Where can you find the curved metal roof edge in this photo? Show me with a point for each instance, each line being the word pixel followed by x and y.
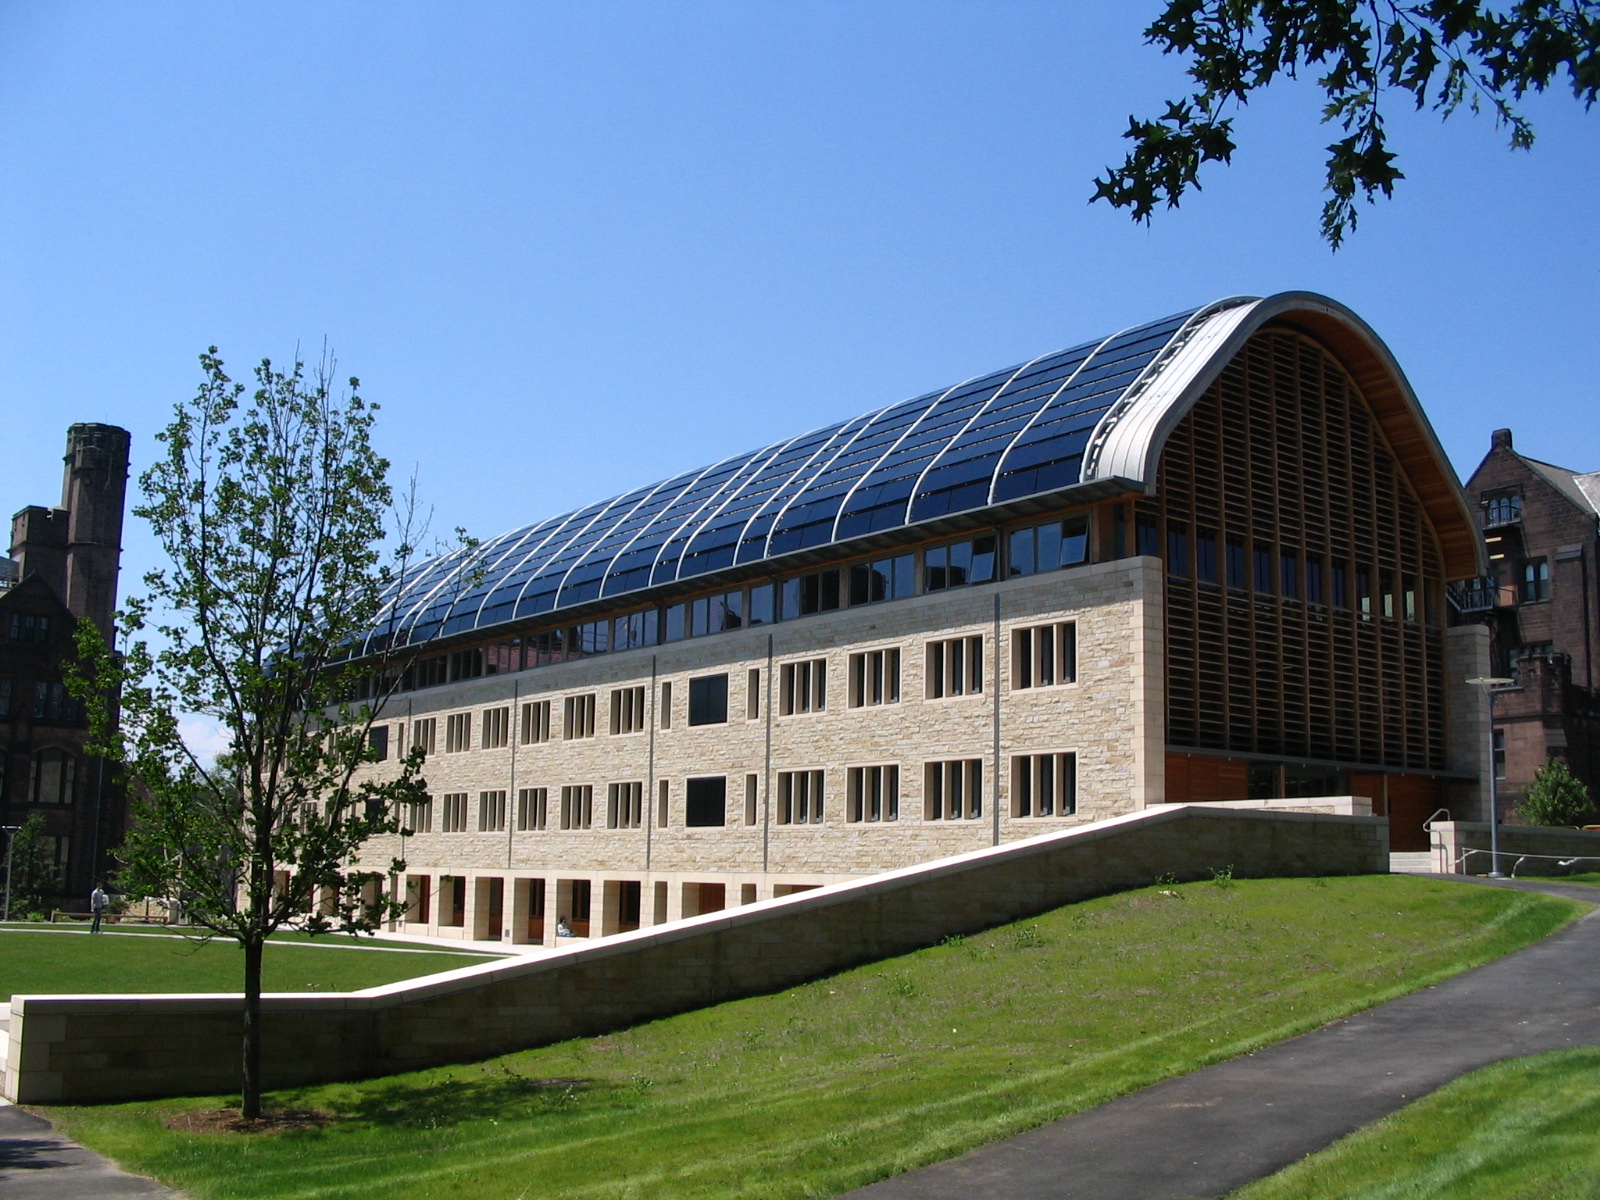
pixel 1128 443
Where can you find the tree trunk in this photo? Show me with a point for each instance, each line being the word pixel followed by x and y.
pixel 250 1100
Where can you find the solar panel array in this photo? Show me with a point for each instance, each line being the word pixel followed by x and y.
pixel 997 437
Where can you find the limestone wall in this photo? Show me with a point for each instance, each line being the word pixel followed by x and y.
pixel 1461 847
pixel 104 1048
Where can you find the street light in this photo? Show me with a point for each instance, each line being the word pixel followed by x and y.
pixel 1490 685
pixel 11 832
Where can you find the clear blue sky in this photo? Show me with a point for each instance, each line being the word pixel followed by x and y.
pixel 574 248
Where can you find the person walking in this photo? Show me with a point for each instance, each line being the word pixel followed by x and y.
pixel 98 903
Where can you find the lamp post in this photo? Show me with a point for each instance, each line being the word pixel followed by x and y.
pixel 1490 685
pixel 11 832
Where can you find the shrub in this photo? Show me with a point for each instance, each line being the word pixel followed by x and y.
pixel 1556 797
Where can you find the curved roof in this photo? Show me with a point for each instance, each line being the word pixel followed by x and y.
pixel 1097 412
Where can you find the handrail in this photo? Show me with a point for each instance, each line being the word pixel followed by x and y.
pixel 1559 859
pixel 1427 826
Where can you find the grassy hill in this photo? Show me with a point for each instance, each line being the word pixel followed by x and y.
pixel 825 1087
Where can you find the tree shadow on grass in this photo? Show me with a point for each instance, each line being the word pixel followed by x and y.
pixel 455 1101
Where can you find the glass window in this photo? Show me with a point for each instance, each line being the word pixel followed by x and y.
pixel 1535 580
pixel 763 604
pixel 674 623
pixel 1263 569
pixel 1177 550
pixel 1236 563
pixel 1205 556
pixel 1288 575
pixel 883 579
pixel 706 801
pixel 1149 534
pixel 959 563
pixel 708 700
pixel 1314 580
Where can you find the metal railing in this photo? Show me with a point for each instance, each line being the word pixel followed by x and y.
pixel 1559 859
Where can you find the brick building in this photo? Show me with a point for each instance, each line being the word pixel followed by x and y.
pixel 1206 558
pixel 1541 527
pixel 63 567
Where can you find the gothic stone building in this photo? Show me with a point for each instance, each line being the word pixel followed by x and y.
pixel 63 568
pixel 1206 558
pixel 1541 527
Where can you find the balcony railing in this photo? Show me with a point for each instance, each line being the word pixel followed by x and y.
pixel 1474 595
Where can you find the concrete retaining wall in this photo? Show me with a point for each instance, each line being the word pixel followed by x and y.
pixel 1544 846
pixel 83 1049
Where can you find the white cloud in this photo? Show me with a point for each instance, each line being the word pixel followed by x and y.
pixel 204 737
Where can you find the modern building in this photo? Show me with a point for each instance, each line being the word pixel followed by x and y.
pixel 62 568
pixel 1541 528
pixel 1207 558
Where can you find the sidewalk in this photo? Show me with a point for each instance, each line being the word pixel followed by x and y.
pixel 1217 1129
pixel 37 1163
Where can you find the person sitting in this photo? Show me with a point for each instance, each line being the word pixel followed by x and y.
pixel 562 929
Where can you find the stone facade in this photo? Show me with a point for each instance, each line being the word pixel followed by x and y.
pixel 1541 524
pixel 1108 718
pixel 63 566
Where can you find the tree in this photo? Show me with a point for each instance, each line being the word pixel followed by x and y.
pixel 272 513
pixel 1556 797
pixel 1438 54
pixel 33 876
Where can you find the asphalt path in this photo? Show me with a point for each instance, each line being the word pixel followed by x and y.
pixel 37 1163
pixel 1204 1134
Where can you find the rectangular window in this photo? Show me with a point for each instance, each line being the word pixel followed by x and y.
pixel 716 614
pixel 763 604
pixel 806 595
pixel 496 728
pixel 666 706
pixel 662 792
pixel 377 741
pixel 958 564
pixel 454 812
pixel 1044 785
pixel 708 700
pixel 535 722
pixel 419 815
pixel 1047 547
pixel 799 797
pixel 953 790
pixel 674 622
pixel 1147 535
pixel 955 667
pixel 1263 568
pixel 706 801
pixel 627 710
pixel 1535 580
pixel 875 678
pixel 752 694
pixel 533 808
pixel 873 793
pixel 1205 555
pixel 1288 575
pixel 751 798
pixel 28 628
pixel 883 579
pixel 466 664
pixel 803 687
pixel 577 717
pixel 1339 584
pixel 491 812
pixel 1234 554
pixel 1314 580
pixel 634 630
pixel 1044 655
pixel 1177 550
pixel 457 733
pixel 577 807
pixel 5 699
pixel 1364 590
pixel 423 734
pixel 624 805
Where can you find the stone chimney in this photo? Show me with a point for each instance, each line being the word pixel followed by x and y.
pixel 93 490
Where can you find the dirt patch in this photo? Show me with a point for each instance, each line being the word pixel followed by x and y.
pixel 228 1120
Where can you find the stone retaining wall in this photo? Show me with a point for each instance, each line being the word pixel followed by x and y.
pixel 1452 840
pixel 83 1049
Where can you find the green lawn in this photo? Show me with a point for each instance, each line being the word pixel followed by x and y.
pixel 43 959
pixel 825 1087
pixel 1526 1129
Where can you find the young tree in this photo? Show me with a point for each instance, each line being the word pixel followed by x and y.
pixel 1438 54
pixel 32 875
pixel 1556 797
pixel 271 509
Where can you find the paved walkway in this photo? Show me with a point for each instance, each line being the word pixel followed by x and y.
pixel 37 1163
pixel 1204 1134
